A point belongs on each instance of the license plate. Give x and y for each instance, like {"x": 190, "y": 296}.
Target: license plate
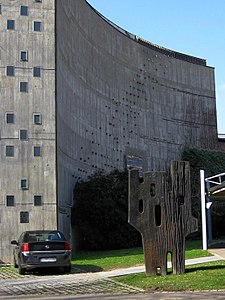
{"x": 48, "y": 260}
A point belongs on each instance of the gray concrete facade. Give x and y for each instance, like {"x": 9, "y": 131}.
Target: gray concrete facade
{"x": 118, "y": 95}
{"x": 98, "y": 95}
{"x": 32, "y": 157}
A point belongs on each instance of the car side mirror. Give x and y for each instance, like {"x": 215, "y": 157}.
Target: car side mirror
{"x": 14, "y": 242}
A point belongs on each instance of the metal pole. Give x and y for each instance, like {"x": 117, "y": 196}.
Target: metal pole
{"x": 204, "y": 232}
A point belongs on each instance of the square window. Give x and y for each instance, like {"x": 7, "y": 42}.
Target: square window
{"x": 37, "y": 26}
{"x": 24, "y": 87}
{"x": 23, "y": 134}
{"x": 24, "y": 184}
{"x": 37, "y": 119}
{"x": 9, "y": 151}
{"x": 37, "y": 151}
{"x": 11, "y": 24}
{"x": 24, "y": 10}
{"x": 24, "y": 217}
{"x": 37, "y": 200}
{"x": 10, "y": 70}
{"x": 37, "y": 72}
{"x": 10, "y": 200}
{"x": 10, "y": 118}
{"x": 24, "y": 55}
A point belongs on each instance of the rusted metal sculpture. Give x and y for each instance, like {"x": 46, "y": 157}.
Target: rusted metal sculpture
{"x": 160, "y": 209}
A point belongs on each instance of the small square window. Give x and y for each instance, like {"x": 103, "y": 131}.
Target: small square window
{"x": 10, "y": 200}
{"x": 37, "y": 72}
{"x": 24, "y": 55}
{"x": 10, "y": 118}
{"x": 10, "y": 71}
{"x": 24, "y": 10}
{"x": 23, "y": 134}
{"x": 37, "y": 151}
{"x": 37, "y": 26}
{"x": 24, "y": 184}
{"x": 37, "y": 200}
{"x": 11, "y": 24}
{"x": 24, "y": 87}
{"x": 24, "y": 217}
{"x": 37, "y": 119}
{"x": 9, "y": 151}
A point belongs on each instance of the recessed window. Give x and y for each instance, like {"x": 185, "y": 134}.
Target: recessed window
{"x": 37, "y": 119}
{"x": 37, "y": 200}
{"x": 23, "y": 134}
{"x": 24, "y": 55}
{"x": 10, "y": 118}
{"x": 37, "y": 26}
{"x": 0, "y": 8}
{"x": 10, "y": 71}
{"x": 38, "y": 0}
{"x": 24, "y": 184}
{"x": 24, "y": 217}
{"x": 11, "y": 24}
{"x": 9, "y": 151}
{"x": 10, "y": 200}
{"x": 37, "y": 151}
{"x": 24, "y": 10}
{"x": 37, "y": 72}
{"x": 24, "y": 87}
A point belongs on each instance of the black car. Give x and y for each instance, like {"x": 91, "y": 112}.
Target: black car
{"x": 41, "y": 249}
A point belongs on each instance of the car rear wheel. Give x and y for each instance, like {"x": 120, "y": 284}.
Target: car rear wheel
{"x": 67, "y": 269}
{"x": 22, "y": 271}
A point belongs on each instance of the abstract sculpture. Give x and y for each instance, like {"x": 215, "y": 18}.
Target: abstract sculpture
{"x": 160, "y": 209}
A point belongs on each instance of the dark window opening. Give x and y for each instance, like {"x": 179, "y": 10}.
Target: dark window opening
{"x": 9, "y": 151}
{"x": 10, "y": 200}
{"x": 37, "y": 72}
{"x": 37, "y": 119}
{"x": 37, "y": 200}
{"x": 11, "y": 24}
{"x": 37, "y": 151}
{"x": 24, "y": 217}
{"x": 10, "y": 71}
{"x": 37, "y": 26}
{"x": 24, "y": 184}
{"x": 10, "y": 118}
{"x": 24, "y": 87}
{"x": 23, "y": 134}
{"x": 24, "y": 55}
{"x": 24, "y": 10}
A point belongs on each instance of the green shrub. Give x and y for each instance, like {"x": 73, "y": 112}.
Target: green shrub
{"x": 100, "y": 213}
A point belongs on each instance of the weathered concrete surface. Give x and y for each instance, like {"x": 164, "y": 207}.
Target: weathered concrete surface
{"x": 116, "y": 96}
{"x": 40, "y": 172}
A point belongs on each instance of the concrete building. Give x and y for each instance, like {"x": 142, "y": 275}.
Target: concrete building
{"x": 79, "y": 94}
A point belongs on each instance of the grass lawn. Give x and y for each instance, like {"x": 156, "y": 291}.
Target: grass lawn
{"x": 208, "y": 276}
{"x": 95, "y": 261}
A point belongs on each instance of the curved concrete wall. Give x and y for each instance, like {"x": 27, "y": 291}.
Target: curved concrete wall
{"x": 119, "y": 95}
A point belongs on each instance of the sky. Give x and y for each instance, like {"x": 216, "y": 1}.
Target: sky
{"x": 194, "y": 27}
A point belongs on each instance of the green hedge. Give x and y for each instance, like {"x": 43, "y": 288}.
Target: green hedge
{"x": 100, "y": 213}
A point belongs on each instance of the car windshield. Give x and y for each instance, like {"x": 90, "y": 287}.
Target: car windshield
{"x": 41, "y": 236}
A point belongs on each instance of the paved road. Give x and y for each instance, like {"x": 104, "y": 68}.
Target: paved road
{"x": 89, "y": 286}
